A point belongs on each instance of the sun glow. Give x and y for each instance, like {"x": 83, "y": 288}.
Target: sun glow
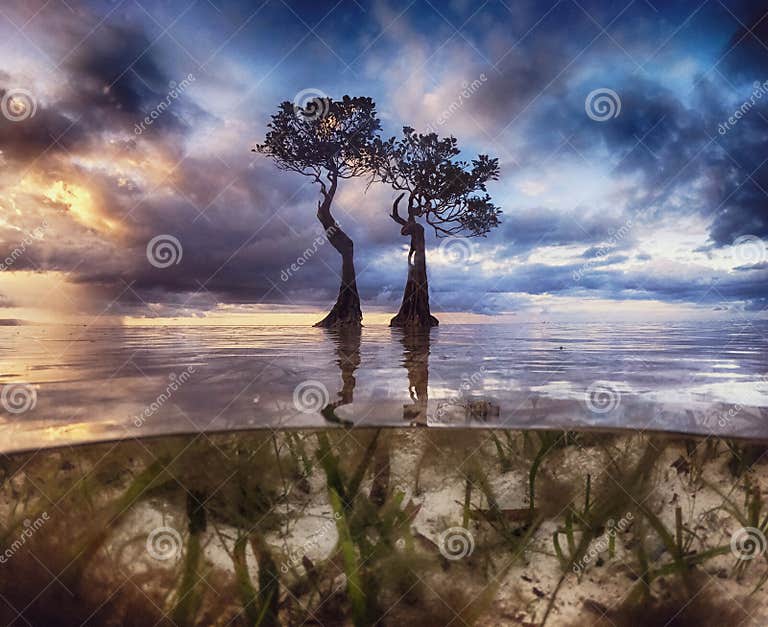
{"x": 80, "y": 203}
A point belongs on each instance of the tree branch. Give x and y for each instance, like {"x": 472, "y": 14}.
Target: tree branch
{"x": 395, "y": 215}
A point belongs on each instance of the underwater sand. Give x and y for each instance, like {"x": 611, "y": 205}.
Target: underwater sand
{"x": 386, "y": 527}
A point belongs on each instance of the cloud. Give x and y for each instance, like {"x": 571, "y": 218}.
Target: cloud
{"x": 578, "y": 195}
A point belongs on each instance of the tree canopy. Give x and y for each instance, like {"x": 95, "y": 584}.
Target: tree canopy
{"x": 448, "y": 193}
{"x": 324, "y": 137}
{"x": 328, "y": 140}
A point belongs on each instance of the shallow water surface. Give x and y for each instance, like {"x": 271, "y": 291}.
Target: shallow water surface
{"x": 68, "y": 384}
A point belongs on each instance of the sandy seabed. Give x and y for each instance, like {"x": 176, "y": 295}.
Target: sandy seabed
{"x": 362, "y": 527}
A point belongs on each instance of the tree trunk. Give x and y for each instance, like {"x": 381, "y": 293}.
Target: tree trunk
{"x": 414, "y": 310}
{"x": 416, "y": 360}
{"x": 346, "y": 311}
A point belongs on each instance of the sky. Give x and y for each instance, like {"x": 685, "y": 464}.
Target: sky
{"x": 631, "y": 139}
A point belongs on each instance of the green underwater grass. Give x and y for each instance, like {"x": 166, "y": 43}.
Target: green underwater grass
{"x": 542, "y": 500}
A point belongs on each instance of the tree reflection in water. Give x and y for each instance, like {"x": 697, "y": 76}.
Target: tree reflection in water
{"x": 416, "y": 345}
{"x": 347, "y": 342}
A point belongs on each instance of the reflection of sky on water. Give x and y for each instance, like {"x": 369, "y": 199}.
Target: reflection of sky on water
{"x": 100, "y": 383}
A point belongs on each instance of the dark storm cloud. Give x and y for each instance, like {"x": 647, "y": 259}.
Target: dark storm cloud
{"x": 523, "y": 72}
{"x": 668, "y": 136}
{"x": 741, "y": 176}
{"x": 117, "y": 69}
{"x": 603, "y": 282}
{"x": 747, "y": 59}
{"x": 51, "y": 132}
{"x": 672, "y": 145}
{"x": 242, "y": 224}
{"x": 523, "y": 230}
{"x": 236, "y": 248}
{"x": 114, "y": 79}
{"x": 118, "y": 77}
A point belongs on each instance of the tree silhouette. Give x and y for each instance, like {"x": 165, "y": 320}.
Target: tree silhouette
{"x": 327, "y": 140}
{"x": 450, "y": 195}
